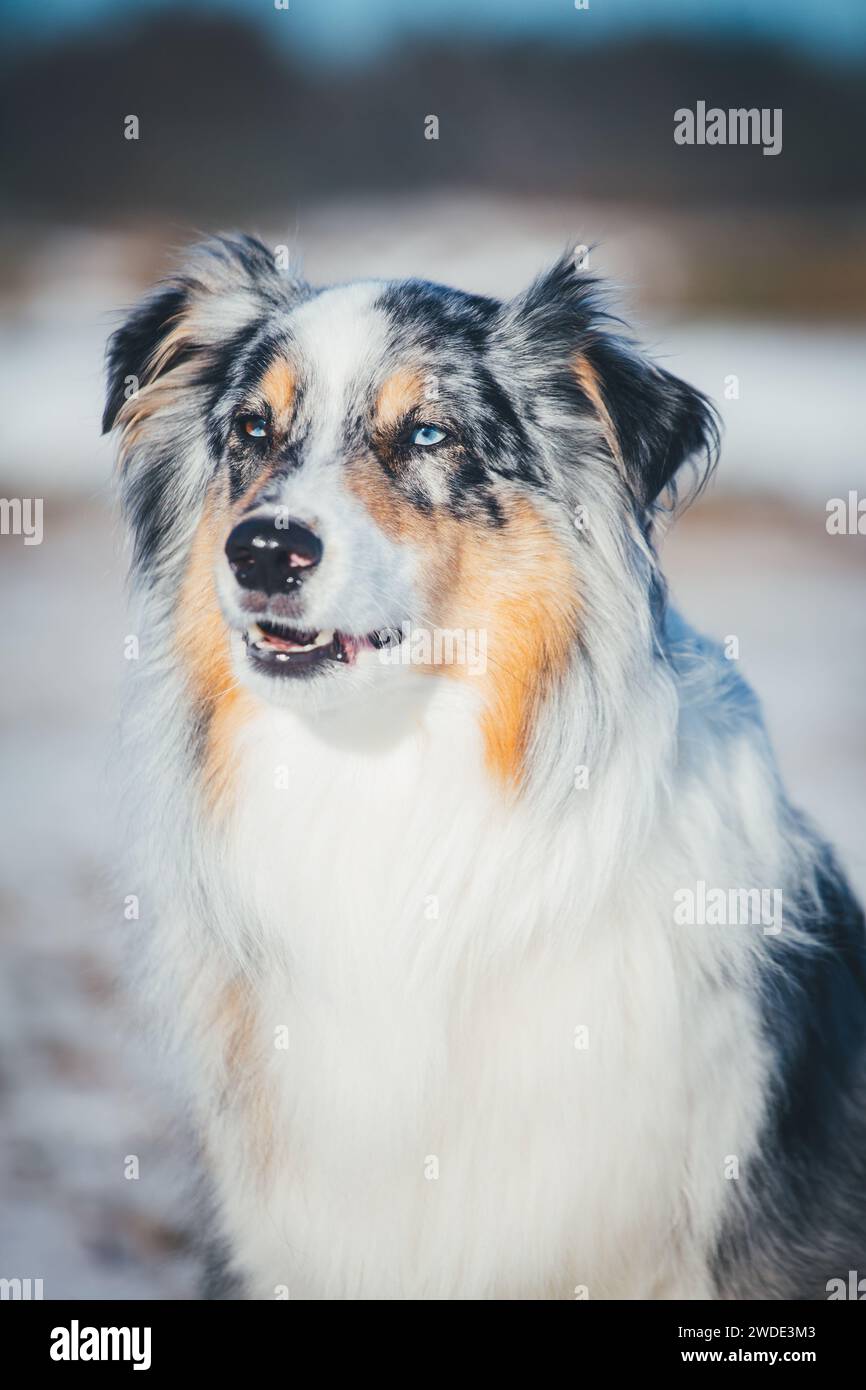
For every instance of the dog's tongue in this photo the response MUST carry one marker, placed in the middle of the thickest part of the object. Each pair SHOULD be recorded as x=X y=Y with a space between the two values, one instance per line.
x=285 y=642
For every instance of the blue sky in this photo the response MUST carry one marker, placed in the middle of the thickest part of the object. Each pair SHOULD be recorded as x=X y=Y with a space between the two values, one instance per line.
x=342 y=29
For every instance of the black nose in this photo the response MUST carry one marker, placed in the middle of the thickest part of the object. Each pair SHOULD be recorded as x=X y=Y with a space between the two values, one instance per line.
x=272 y=557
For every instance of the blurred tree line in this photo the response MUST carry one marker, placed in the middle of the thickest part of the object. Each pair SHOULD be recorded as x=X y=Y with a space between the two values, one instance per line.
x=234 y=126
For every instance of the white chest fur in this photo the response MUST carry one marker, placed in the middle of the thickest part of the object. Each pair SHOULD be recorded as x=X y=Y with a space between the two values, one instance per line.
x=471 y=1089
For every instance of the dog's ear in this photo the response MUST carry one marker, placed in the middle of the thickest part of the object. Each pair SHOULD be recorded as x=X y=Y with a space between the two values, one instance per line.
x=651 y=422
x=221 y=291
x=132 y=348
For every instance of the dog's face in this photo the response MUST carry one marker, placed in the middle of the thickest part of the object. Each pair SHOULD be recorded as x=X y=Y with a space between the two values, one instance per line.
x=316 y=474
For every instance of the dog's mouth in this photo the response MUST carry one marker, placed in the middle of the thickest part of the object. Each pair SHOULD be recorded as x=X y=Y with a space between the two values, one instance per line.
x=282 y=650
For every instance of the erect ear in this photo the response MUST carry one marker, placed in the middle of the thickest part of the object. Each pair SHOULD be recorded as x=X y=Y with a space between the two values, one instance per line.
x=217 y=298
x=651 y=422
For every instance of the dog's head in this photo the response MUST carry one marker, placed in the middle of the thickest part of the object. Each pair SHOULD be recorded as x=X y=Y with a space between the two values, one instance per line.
x=319 y=475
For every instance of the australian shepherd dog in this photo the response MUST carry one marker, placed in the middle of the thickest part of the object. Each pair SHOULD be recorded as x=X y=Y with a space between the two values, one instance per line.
x=494 y=959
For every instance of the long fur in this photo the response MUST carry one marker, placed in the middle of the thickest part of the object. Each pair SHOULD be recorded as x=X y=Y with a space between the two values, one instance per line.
x=412 y=938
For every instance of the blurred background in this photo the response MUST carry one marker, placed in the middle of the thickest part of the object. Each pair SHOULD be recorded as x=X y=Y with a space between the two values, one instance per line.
x=305 y=123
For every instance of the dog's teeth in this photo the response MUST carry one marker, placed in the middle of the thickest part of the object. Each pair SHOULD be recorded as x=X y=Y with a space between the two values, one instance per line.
x=260 y=640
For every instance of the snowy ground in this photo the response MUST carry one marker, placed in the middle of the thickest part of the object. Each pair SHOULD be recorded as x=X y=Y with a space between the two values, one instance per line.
x=78 y=1091
x=79 y=1088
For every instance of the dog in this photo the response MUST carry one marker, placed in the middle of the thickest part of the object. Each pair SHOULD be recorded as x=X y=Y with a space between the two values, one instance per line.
x=417 y=927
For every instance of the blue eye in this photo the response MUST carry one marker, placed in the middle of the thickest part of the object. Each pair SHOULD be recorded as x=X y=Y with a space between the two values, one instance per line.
x=255 y=426
x=427 y=435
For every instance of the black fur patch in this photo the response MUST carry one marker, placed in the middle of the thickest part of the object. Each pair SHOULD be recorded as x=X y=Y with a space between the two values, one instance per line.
x=660 y=422
x=450 y=335
x=130 y=348
x=147 y=501
x=797 y=1215
x=432 y=315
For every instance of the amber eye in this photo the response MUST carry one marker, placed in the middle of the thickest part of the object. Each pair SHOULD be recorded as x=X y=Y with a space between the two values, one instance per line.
x=253 y=426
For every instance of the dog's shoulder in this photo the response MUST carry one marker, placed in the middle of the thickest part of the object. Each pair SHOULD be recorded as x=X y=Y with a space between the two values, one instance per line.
x=799 y=1221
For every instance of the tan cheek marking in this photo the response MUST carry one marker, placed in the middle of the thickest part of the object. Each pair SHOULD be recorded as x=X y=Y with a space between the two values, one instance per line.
x=436 y=535
x=387 y=506
x=203 y=647
x=398 y=395
x=278 y=386
x=587 y=378
x=518 y=583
